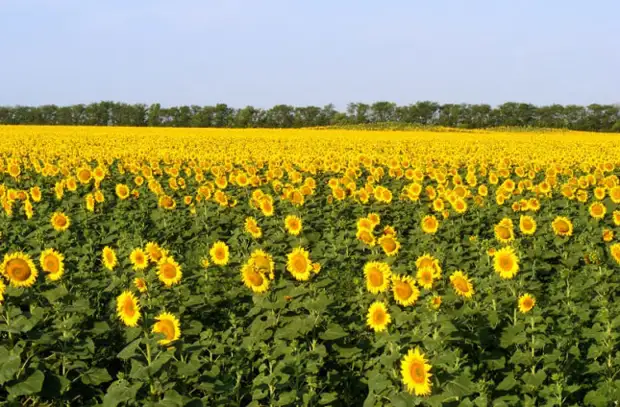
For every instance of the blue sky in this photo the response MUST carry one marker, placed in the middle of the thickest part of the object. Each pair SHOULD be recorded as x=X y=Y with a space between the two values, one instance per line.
x=265 y=52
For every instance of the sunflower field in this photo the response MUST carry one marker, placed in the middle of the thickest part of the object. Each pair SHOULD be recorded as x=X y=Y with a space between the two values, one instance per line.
x=215 y=267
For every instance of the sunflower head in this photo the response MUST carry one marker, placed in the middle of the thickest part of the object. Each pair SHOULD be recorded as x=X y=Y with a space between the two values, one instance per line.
x=220 y=253
x=168 y=325
x=60 y=221
x=169 y=271
x=299 y=264
x=426 y=277
x=378 y=317
x=19 y=269
x=263 y=262
x=377 y=277
x=562 y=226
x=415 y=372
x=389 y=244
x=614 y=250
x=506 y=262
x=462 y=284
x=52 y=263
x=597 y=210
x=253 y=278
x=526 y=303
x=139 y=259
x=293 y=224
x=430 y=224
x=140 y=284
x=405 y=291
x=128 y=308
x=108 y=256
x=527 y=225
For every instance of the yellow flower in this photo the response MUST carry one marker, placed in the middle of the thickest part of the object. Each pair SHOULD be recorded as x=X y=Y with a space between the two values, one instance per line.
x=527 y=225
x=435 y=302
x=293 y=224
x=2 y=289
x=263 y=262
x=562 y=226
x=139 y=259
x=614 y=249
x=426 y=260
x=168 y=325
x=299 y=264
x=426 y=277
x=504 y=231
x=251 y=226
x=389 y=244
x=430 y=224
x=378 y=317
x=19 y=269
x=128 y=308
x=140 y=284
x=52 y=263
x=415 y=372
x=366 y=237
x=377 y=276
x=253 y=278
x=526 y=303
x=461 y=284
x=405 y=291
x=122 y=191
x=108 y=256
x=598 y=210
x=608 y=235
x=155 y=252
x=506 y=262
x=60 y=221
x=220 y=253
x=169 y=271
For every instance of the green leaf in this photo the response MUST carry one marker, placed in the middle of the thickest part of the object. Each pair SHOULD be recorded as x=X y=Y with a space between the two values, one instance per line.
x=328 y=398
x=536 y=379
x=333 y=332
x=55 y=294
x=596 y=399
x=96 y=376
x=31 y=385
x=129 y=350
x=9 y=365
x=120 y=392
x=508 y=383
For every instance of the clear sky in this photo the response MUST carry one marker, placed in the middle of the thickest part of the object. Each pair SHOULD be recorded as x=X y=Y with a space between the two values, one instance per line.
x=309 y=52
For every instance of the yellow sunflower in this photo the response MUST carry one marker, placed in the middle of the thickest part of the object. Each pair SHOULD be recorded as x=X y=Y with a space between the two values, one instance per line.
x=140 y=284
x=598 y=210
x=365 y=224
x=616 y=217
x=154 y=252
x=251 y=226
x=378 y=317
x=60 y=221
x=527 y=225
x=426 y=277
x=19 y=269
x=562 y=226
x=2 y=289
x=526 y=303
x=122 y=191
x=128 y=308
x=430 y=224
x=219 y=253
x=253 y=278
x=435 y=302
x=169 y=271
x=405 y=291
x=426 y=260
x=293 y=224
x=608 y=235
x=415 y=372
x=263 y=262
x=299 y=264
x=139 y=259
x=504 y=231
x=366 y=237
x=389 y=244
x=374 y=218
x=377 y=276
x=52 y=263
x=614 y=249
x=461 y=284
x=168 y=325
x=506 y=262
x=108 y=256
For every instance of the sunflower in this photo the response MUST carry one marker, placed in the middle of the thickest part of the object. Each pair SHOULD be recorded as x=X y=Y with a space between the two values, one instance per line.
x=527 y=225
x=251 y=226
x=90 y=202
x=598 y=210
x=128 y=308
x=430 y=224
x=299 y=264
x=263 y=262
x=253 y=278
x=19 y=269
x=614 y=194
x=405 y=291
x=154 y=252
x=526 y=303
x=614 y=249
x=506 y=262
x=219 y=253
x=389 y=244
x=84 y=175
x=60 y=221
x=415 y=371
x=435 y=302
x=2 y=289
x=168 y=325
x=169 y=271
x=52 y=263
x=389 y=231
x=374 y=218
x=378 y=317
x=293 y=224
x=366 y=237
x=35 y=194
x=99 y=197
x=608 y=235
x=562 y=226
x=122 y=191
x=167 y=202
x=204 y=262
x=316 y=267
x=365 y=224
x=504 y=231
x=266 y=207
x=616 y=217
x=426 y=277
x=108 y=256
x=377 y=276
x=461 y=284
x=426 y=260
x=140 y=284
x=139 y=259
x=460 y=205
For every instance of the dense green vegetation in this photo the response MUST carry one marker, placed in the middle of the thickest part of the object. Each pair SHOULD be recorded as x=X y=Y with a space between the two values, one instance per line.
x=594 y=117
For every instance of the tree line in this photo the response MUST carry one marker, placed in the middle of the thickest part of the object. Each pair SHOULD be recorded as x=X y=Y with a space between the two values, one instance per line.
x=594 y=117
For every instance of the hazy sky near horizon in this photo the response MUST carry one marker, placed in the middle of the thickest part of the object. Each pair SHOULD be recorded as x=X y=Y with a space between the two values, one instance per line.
x=266 y=52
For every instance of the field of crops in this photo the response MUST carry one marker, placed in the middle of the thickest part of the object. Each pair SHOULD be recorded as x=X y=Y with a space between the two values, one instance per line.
x=185 y=267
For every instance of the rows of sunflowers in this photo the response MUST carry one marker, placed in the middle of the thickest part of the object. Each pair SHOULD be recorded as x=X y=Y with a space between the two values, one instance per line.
x=178 y=267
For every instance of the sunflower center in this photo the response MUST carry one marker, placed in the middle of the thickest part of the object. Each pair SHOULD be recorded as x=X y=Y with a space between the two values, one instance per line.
x=261 y=262
x=505 y=262
x=18 y=270
x=167 y=328
x=109 y=256
x=61 y=221
x=389 y=245
x=527 y=303
x=427 y=276
x=375 y=277
x=418 y=374
x=168 y=270
x=255 y=278
x=51 y=263
x=378 y=317
x=128 y=308
x=503 y=232
x=403 y=290
x=139 y=258
x=527 y=224
x=219 y=254
x=366 y=236
x=300 y=264
x=562 y=226
x=429 y=223
x=461 y=284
